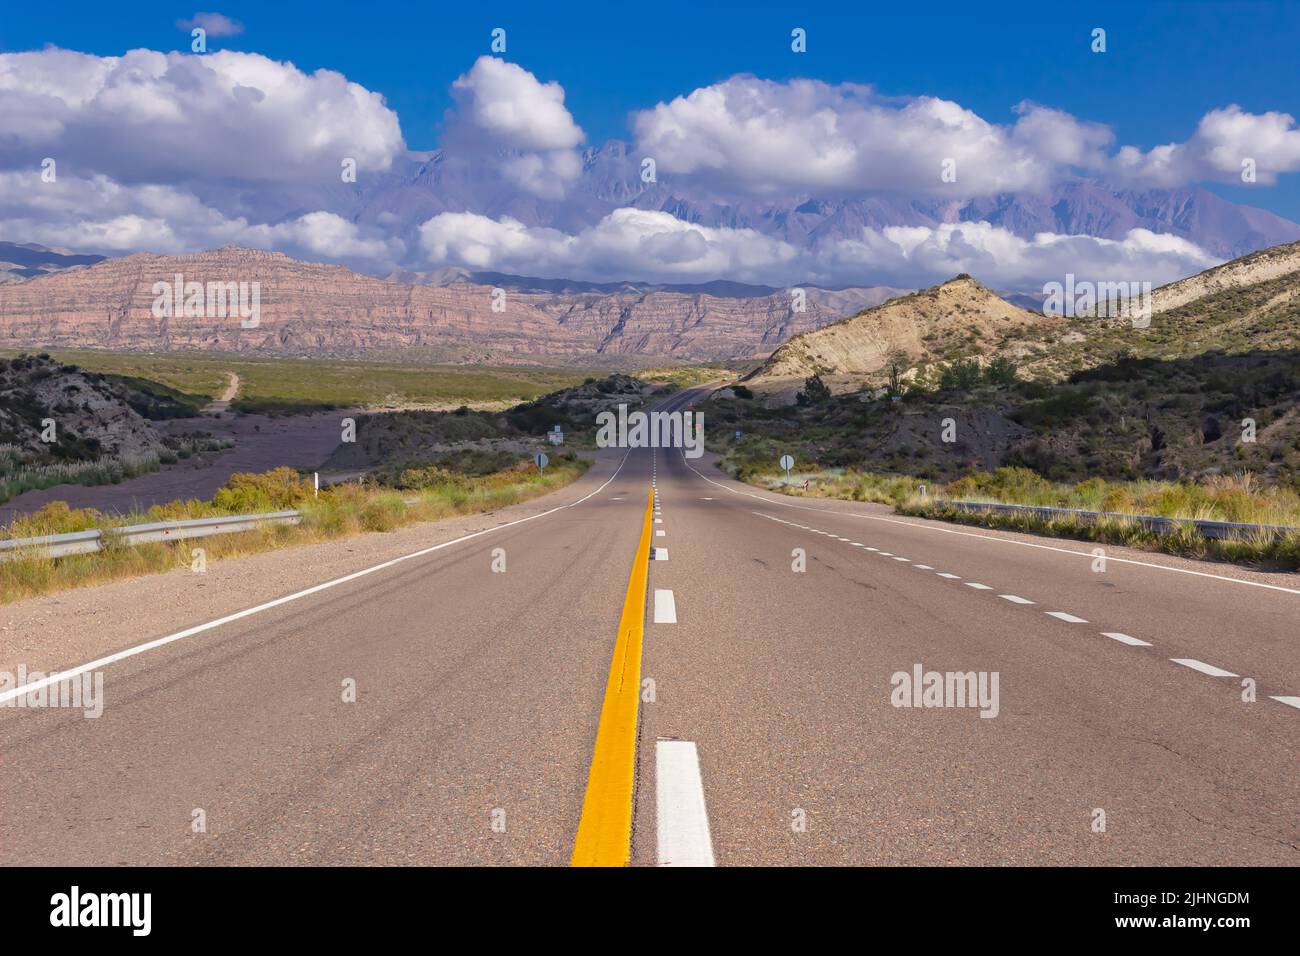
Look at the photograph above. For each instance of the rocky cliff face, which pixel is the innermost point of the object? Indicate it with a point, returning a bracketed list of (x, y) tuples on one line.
[(310, 308)]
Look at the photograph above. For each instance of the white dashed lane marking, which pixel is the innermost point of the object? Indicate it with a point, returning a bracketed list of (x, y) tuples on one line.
[(1015, 599), (1067, 618), (1125, 638), (665, 607), (682, 818), (951, 577), (978, 587), (1203, 667), (1289, 701)]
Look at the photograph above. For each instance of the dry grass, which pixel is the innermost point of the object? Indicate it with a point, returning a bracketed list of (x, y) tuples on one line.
[(340, 512), (1242, 498)]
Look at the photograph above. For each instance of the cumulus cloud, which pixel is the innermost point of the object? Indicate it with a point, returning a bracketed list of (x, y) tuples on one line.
[(765, 137), (216, 24), (806, 135), (657, 247), (177, 117), (102, 215), (1224, 139), (501, 108)]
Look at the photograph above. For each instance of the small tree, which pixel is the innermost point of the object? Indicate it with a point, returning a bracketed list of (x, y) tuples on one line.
[(962, 375), (814, 391), (1001, 371)]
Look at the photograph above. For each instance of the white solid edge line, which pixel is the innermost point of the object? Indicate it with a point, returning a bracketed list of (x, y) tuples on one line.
[(665, 606), (682, 820), (1203, 667), (1125, 638), (1066, 617), (990, 537), (249, 612)]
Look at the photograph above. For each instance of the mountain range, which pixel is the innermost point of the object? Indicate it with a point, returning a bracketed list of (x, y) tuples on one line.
[(308, 308), (420, 186)]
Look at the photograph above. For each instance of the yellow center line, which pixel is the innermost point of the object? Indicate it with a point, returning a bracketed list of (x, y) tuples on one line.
[(605, 828)]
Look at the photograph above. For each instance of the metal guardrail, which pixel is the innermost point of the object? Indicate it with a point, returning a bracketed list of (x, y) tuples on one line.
[(96, 539), (1221, 530)]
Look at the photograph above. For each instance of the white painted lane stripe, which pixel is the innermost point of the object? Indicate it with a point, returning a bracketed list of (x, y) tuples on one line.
[(923, 567), (951, 577), (990, 537), (660, 533), (902, 559), (1289, 701), (877, 550), (1015, 599), (665, 607), (1125, 638), (1067, 618), (978, 587), (249, 612), (1203, 667), (659, 554), (682, 818), (659, 520)]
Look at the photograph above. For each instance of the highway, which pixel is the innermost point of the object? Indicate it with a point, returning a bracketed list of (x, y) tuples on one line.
[(765, 728)]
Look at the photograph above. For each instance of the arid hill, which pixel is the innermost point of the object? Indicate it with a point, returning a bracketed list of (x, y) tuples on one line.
[(309, 308), (1263, 266), (959, 317)]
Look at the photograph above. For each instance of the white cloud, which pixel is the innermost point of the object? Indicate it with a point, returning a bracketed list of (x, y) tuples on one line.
[(763, 138), (501, 108), (216, 24), (98, 214), (514, 107), (1224, 138), (176, 117), (657, 247)]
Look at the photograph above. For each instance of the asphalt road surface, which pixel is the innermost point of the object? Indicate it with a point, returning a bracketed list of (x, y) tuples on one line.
[(771, 729)]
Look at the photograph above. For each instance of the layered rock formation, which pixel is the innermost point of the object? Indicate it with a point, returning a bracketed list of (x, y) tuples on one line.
[(314, 309)]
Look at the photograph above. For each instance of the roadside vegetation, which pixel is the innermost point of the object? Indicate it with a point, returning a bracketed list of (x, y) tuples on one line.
[(446, 486), (1239, 498), (1135, 436)]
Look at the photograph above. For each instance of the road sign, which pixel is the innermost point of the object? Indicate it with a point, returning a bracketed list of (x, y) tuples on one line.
[(737, 434), (787, 463), (541, 460)]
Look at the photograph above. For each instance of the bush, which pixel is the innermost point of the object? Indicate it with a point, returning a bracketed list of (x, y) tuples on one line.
[(278, 490), (815, 391)]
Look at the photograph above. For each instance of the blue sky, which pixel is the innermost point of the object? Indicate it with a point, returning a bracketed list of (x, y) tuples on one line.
[(169, 152), (1167, 63)]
